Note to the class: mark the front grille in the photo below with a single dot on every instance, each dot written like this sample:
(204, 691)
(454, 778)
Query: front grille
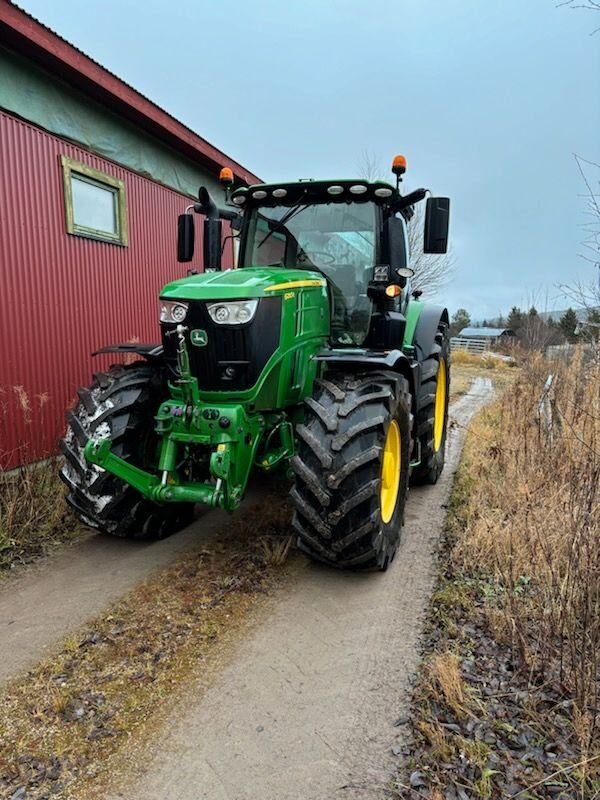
(234, 355)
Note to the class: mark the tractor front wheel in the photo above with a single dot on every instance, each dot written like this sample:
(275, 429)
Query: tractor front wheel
(351, 469)
(120, 403)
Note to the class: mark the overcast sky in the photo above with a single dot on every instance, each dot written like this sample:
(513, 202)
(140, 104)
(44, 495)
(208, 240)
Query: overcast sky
(488, 100)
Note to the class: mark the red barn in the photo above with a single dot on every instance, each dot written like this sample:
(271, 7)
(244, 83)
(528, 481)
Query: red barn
(92, 178)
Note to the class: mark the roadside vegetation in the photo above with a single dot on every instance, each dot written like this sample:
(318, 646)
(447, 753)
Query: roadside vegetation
(468, 366)
(63, 721)
(33, 515)
(507, 701)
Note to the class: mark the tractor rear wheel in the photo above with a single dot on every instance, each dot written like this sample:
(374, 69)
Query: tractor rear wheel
(432, 410)
(120, 403)
(351, 469)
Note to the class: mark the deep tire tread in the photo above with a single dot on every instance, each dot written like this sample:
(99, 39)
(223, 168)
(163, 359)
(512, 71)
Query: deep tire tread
(338, 469)
(124, 399)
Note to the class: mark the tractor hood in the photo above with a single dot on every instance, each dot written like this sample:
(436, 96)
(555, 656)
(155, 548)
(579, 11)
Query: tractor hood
(241, 284)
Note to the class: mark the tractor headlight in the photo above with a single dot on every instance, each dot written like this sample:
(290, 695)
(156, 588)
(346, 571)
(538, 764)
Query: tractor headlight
(173, 311)
(235, 313)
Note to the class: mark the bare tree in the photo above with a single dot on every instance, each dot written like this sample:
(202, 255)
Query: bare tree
(369, 167)
(587, 5)
(535, 333)
(432, 272)
(586, 294)
(592, 225)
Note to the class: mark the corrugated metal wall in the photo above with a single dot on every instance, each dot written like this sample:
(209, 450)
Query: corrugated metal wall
(62, 296)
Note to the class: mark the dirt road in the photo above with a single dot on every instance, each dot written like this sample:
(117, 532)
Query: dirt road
(44, 603)
(306, 710)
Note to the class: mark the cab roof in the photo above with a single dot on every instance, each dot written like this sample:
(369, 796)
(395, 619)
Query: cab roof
(332, 191)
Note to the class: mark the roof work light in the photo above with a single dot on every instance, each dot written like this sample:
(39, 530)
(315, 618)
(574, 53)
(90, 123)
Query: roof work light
(226, 180)
(399, 168)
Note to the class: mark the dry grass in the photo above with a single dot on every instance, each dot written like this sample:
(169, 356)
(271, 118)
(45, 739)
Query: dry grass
(33, 514)
(514, 626)
(479, 360)
(63, 722)
(442, 749)
(527, 520)
(275, 549)
(445, 676)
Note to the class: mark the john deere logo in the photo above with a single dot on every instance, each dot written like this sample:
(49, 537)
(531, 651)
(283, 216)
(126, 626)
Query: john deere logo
(199, 338)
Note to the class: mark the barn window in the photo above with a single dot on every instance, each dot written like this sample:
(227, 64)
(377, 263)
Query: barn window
(95, 203)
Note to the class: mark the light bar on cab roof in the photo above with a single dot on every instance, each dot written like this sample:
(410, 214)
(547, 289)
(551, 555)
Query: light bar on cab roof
(314, 189)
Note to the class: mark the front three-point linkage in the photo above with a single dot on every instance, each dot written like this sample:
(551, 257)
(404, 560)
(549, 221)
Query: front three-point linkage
(179, 423)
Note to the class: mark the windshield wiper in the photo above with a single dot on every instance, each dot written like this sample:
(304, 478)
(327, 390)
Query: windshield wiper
(287, 216)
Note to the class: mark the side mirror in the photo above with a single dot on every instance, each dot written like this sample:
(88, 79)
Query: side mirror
(437, 218)
(213, 230)
(185, 237)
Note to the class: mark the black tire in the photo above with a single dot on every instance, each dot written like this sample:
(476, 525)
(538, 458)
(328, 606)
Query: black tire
(338, 469)
(121, 403)
(433, 453)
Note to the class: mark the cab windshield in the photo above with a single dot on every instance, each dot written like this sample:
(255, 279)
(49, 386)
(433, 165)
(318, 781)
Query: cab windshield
(335, 239)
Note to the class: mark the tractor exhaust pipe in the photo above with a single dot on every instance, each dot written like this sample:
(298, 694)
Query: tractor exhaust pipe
(213, 230)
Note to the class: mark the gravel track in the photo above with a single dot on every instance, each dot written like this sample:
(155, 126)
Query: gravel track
(307, 706)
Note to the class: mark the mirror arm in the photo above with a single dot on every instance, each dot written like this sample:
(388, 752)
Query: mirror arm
(223, 213)
(231, 236)
(407, 200)
(230, 216)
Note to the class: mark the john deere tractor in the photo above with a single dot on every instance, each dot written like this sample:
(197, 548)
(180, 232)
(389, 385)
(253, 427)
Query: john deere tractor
(313, 356)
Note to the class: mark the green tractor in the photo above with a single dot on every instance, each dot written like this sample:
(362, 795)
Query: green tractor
(313, 357)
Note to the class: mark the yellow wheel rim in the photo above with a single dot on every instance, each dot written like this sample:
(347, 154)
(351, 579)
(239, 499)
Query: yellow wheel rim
(440, 406)
(390, 472)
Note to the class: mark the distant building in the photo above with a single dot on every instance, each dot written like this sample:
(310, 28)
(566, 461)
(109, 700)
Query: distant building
(93, 177)
(481, 339)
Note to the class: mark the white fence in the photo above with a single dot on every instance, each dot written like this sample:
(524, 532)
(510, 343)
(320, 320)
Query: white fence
(475, 344)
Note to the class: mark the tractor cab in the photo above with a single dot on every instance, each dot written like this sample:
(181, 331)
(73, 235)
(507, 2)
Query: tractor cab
(353, 232)
(334, 228)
